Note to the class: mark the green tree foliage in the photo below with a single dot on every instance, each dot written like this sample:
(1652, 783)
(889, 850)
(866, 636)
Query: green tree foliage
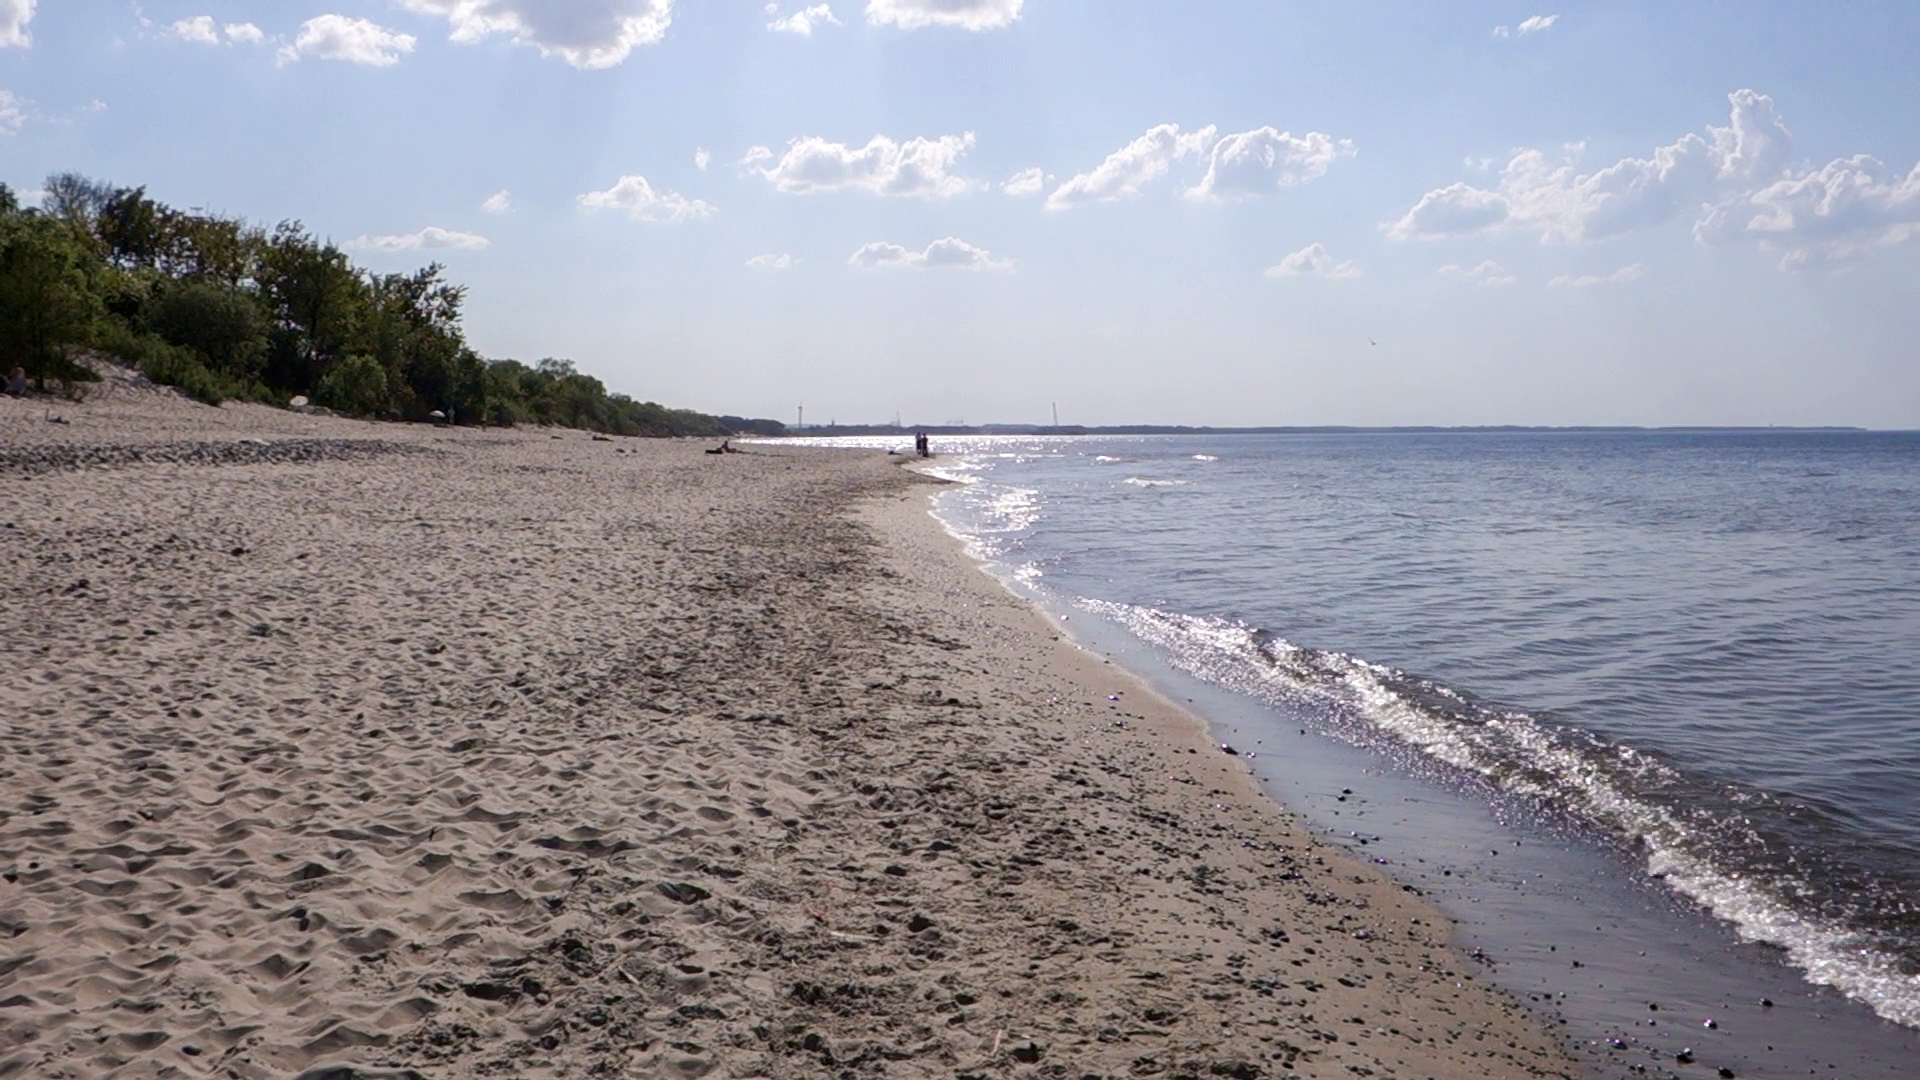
(45, 300)
(224, 309)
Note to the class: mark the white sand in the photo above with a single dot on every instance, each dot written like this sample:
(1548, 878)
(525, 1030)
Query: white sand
(379, 747)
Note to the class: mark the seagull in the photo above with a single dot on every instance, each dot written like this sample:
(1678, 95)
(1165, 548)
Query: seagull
(1370, 341)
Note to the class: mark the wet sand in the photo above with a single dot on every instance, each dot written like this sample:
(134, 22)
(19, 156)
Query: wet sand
(344, 749)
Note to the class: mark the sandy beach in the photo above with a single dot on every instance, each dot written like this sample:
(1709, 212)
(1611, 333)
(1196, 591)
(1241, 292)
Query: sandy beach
(339, 749)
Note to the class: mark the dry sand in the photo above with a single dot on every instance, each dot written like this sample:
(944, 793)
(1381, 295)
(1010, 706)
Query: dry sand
(351, 750)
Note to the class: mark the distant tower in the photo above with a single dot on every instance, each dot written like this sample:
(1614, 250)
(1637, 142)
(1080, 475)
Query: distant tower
(800, 417)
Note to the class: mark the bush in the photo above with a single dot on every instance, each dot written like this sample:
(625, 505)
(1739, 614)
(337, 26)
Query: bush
(356, 385)
(225, 326)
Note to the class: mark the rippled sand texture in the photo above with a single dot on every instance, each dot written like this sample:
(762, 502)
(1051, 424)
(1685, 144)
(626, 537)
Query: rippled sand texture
(502, 754)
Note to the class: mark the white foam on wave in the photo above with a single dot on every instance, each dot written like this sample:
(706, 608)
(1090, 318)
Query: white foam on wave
(1205, 457)
(1520, 755)
(1148, 482)
(1106, 459)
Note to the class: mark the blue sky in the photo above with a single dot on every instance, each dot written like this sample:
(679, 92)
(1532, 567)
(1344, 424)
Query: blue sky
(971, 209)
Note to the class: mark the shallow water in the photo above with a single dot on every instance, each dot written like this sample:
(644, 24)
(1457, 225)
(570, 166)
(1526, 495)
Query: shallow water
(1683, 669)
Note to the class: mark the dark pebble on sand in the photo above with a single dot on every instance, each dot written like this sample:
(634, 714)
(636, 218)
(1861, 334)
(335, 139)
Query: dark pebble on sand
(681, 892)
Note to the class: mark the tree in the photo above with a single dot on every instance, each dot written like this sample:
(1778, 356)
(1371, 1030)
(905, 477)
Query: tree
(316, 297)
(45, 303)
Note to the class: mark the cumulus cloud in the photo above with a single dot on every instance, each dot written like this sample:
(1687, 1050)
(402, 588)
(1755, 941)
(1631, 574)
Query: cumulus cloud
(1263, 160)
(498, 203)
(1739, 184)
(1238, 166)
(1618, 277)
(1551, 197)
(14, 17)
(965, 14)
(245, 33)
(200, 30)
(1835, 214)
(1486, 273)
(701, 158)
(781, 261)
(356, 41)
(1313, 261)
(585, 33)
(1132, 167)
(431, 238)
(801, 22)
(951, 253)
(1025, 182)
(13, 113)
(918, 167)
(642, 203)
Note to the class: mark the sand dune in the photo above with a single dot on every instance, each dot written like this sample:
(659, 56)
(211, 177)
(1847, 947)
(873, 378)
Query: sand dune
(338, 749)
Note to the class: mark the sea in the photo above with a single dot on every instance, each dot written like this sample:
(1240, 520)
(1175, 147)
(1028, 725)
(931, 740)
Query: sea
(1639, 709)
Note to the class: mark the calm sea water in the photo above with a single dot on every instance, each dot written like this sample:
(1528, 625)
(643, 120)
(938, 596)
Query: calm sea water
(1704, 648)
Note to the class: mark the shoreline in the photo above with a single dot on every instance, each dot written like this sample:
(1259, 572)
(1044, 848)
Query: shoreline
(523, 753)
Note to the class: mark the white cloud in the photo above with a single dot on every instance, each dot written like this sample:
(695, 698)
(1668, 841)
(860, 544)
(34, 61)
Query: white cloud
(1025, 182)
(642, 203)
(1486, 273)
(918, 167)
(1262, 160)
(1313, 260)
(245, 33)
(1618, 277)
(701, 158)
(14, 17)
(801, 22)
(356, 41)
(950, 253)
(1550, 197)
(584, 33)
(1128, 169)
(96, 105)
(781, 261)
(13, 113)
(431, 238)
(1532, 25)
(200, 30)
(498, 203)
(965, 14)
(1739, 184)
(1838, 213)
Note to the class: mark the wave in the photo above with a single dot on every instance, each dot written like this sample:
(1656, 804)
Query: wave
(1702, 838)
(1148, 482)
(1205, 457)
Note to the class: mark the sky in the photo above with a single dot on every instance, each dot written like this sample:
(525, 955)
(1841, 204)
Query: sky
(1230, 212)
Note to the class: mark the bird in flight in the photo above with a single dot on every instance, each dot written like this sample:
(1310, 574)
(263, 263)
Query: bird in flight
(1370, 341)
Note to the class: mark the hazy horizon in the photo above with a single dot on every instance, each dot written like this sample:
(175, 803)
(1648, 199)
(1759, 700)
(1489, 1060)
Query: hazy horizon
(1556, 214)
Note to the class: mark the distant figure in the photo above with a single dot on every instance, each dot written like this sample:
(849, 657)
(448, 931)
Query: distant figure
(17, 382)
(725, 447)
(921, 446)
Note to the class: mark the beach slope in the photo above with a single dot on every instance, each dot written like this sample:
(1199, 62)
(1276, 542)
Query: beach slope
(340, 749)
